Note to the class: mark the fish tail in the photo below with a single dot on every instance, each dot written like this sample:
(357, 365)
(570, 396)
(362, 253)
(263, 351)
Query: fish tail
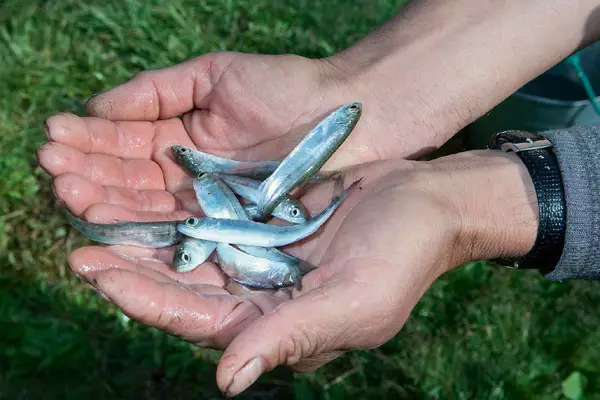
(298, 284)
(346, 192)
(76, 222)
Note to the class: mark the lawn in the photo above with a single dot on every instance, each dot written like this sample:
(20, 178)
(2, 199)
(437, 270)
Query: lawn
(480, 332)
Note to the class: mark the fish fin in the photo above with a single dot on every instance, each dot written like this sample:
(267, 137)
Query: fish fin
(353, 185)
(306, 267)
(330, 175)
(338, 186)
(75, 221)
(78, 222)
(343, 193)
(71, 217)
(298, 284)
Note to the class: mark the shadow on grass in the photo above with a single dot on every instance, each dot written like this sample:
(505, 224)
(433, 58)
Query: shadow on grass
(57, 344)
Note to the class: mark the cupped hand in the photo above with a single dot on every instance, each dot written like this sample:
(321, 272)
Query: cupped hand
(242, 106)
(369, 277)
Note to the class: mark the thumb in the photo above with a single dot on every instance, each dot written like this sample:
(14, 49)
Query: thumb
(162, 93)
(305, 327)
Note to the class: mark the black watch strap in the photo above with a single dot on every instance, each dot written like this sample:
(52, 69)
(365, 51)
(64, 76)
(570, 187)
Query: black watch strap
(536, 153)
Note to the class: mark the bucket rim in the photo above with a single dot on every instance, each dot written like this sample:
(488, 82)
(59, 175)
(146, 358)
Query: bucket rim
(554, 102)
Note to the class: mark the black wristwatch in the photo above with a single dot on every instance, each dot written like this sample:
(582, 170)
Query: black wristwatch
(538, 156)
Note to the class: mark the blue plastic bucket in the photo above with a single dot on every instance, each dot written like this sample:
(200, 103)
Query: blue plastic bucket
(554, 100)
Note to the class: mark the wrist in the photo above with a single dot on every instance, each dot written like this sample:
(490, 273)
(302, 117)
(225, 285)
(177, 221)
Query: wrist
(492, 198)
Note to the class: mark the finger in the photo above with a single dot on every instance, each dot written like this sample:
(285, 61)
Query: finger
(106, 170)
(163, 93)
(162, 254)
(206, 290)
(104, 213)
(110, 144)
(78, 194)
(159, 201)
(206, 320)
(87, 262)
(313, 363)
(161, 260)
(123, 139)
(305, 327)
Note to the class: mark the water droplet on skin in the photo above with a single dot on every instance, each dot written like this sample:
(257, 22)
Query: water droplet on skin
(134, 141)
(362, 149)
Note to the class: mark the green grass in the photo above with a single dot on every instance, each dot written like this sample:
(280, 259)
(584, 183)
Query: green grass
(480, 332)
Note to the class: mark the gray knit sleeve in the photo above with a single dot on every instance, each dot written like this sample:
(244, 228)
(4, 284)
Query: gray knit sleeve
(578, 153)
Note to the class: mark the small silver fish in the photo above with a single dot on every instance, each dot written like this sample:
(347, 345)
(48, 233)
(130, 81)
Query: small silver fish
(249, 265)
(289, 209)
(199, 162)
(273, 253)
(191, 252)
(257, 272)
(216, 198)
(251, 233)
(140, 234)
(307, 158)
(218, 201)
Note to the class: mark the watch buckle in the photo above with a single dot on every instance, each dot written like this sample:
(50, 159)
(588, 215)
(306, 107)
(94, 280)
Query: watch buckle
(529, 144)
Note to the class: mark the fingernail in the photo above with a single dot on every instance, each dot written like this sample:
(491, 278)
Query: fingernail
(89, 108)
(101, 293)
(46, 129)
(96, 94)
(245, 376)
(96, 287)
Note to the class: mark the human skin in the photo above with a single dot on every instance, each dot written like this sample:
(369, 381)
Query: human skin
(472, 205)
(425, 74)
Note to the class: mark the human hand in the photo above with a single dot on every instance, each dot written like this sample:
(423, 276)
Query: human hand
(242, 106)
(409, 224)
(380, 251)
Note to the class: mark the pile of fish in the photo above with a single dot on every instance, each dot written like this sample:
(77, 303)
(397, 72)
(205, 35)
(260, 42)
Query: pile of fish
(245, 245)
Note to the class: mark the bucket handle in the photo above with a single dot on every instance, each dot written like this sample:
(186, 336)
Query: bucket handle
(575, 61)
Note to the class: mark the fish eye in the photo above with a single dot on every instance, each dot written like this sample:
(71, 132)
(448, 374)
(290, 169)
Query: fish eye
(295, 212)
(354, 108)
(185, 257)
(183, 150)
(191, 221)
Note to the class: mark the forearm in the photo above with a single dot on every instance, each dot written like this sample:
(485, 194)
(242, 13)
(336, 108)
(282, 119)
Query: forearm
(443, 64)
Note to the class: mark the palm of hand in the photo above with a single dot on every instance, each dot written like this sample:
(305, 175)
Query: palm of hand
(198, 306)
